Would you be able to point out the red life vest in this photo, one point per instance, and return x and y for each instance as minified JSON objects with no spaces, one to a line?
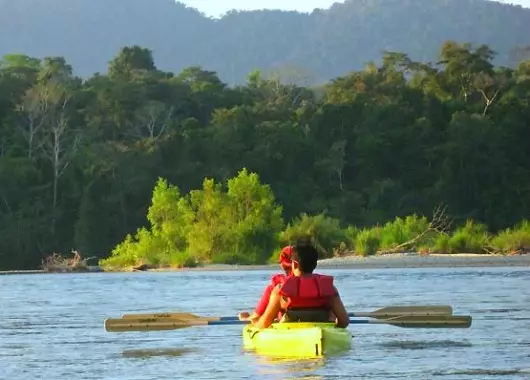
{"x":308,"y":292}
{"x":278,"y":279}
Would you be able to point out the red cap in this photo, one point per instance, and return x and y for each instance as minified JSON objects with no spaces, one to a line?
{"x":285,"y":256}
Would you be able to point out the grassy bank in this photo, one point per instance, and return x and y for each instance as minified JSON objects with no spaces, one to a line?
{"x":415,"y":234}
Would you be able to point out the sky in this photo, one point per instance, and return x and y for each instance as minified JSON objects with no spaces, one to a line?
{"x":216,"y":8}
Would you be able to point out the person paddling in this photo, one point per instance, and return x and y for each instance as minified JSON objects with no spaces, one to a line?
{"x":304,"y":296}
{"x":285,"y":263}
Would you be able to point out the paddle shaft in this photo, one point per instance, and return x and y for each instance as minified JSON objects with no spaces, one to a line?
{"x":352,"y":322}
{"x":153,"y":324}
{"x":386,"y":312}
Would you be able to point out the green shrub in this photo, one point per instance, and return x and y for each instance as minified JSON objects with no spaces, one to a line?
{"x":324,"y":231}
{"x":232,"y":258}
{"x":441,"y":244}
{"x":471,"y":238}
{"x":351,"y":234}
{"x":143,"y":248}
{"x":204,"y":225}
{"x":400,"y":231}
{"x":512,"y":239}
{"x":368,"y":241}
{"x":180,"y":260}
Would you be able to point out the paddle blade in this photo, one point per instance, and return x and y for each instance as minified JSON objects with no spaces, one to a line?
{"x":394,"y":311}
{"x":181,"y":316}
{"x":463,"y":322}
{"x":146,"y":324}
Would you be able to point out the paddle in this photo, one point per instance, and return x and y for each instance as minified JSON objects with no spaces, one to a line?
{"x":392,"y":311}
{"x":157,"y":324}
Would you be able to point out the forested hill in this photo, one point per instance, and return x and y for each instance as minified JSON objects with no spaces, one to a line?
{"x":79,"y":159}
{"x":325,"y":44}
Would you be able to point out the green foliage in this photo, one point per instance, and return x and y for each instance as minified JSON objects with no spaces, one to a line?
{"x":401,"y":231}
{"x":351,"y":233}
{"x":131,"y":60}
{"x":208,"y":233}
{"x":126,"y":253}
{"x":255,"y":218}
{"x":80,"y":159}
{"x":324,"y":231}
{"x":471,"y":238}
{"x":512,"y":240}
{"x":368,"y":241}
{"x":233,"y":258}
{"x":442,"y":244}
{"x":181,"y":260}
{"x":208,"y":225}
{"x":399,"y":235}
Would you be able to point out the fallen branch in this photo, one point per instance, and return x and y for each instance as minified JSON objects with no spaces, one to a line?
{"x":57,"y":263}
{"x":440,"y":224}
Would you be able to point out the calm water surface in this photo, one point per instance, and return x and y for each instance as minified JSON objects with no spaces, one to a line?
{"x":51,"y":327}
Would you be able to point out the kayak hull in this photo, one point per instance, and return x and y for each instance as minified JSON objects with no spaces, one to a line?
{"x":298,"y":339}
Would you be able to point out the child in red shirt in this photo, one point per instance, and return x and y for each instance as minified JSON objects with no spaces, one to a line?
{"x":285,"y":263}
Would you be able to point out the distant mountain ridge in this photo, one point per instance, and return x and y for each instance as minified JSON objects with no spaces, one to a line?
{"x":326,"y":43}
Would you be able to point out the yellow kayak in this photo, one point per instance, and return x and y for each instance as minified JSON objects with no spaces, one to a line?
{"x":297,"y":339}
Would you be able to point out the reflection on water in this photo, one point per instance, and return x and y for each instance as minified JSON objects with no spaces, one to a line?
{"x":289,"y":366}
{"x":421,"y":345}
{"x":480,"y":373}
{"x":150,"y":352}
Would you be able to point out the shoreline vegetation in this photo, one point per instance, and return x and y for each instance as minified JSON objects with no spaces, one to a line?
{"x":146,"y":169}
{"x":218,"y":228}
{"x":242,"y":224}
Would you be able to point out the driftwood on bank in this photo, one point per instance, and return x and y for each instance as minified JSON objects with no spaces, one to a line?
{"x":144,"y":267}
{"x":57,"y":263}
{"x":440,"y":223}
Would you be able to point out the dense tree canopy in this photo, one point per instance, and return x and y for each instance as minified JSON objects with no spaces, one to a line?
{"x":322,"y":45}
{"x":79,"y":159}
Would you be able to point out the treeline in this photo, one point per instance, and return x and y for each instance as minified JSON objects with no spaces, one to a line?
{"x":79,"y":159}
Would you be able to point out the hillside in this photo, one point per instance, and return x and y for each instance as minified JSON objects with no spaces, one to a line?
{"x":79,"y":159}
{"x":326,"y":43}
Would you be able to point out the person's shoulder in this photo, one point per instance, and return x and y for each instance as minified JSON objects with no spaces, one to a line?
{"x":278,"y":278}
{"x":276,"y":289}
{"x":316,"y":274}
{"x":269,"y":287}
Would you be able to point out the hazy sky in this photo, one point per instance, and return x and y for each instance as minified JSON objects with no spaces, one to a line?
{"x":218,"y":7}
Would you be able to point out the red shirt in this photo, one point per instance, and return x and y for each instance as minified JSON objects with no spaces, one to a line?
{"x":264,"y":300}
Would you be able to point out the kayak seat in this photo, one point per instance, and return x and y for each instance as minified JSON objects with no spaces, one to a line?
{"x":306,"y":315}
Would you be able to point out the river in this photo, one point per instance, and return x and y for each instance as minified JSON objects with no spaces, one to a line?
{"x":52,"y":326}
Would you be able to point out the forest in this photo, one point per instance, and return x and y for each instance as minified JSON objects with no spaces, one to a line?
{"x":140,"y":158}
{"x":320,"y":46}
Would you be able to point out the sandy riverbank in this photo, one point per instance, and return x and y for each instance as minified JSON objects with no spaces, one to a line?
{"x":415,"y":260}
{"x":405,"y":260}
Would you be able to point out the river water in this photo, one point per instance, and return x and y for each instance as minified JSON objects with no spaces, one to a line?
{"x":51,"y":326}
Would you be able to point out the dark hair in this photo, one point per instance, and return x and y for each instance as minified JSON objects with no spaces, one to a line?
{"x":305,"y":254}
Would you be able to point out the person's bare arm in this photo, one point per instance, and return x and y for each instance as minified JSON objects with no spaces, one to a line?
{"x":260,"y":307}
{"x":271,"y":312}
{"x":340,"y":312}
{"x":245,"y":316}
